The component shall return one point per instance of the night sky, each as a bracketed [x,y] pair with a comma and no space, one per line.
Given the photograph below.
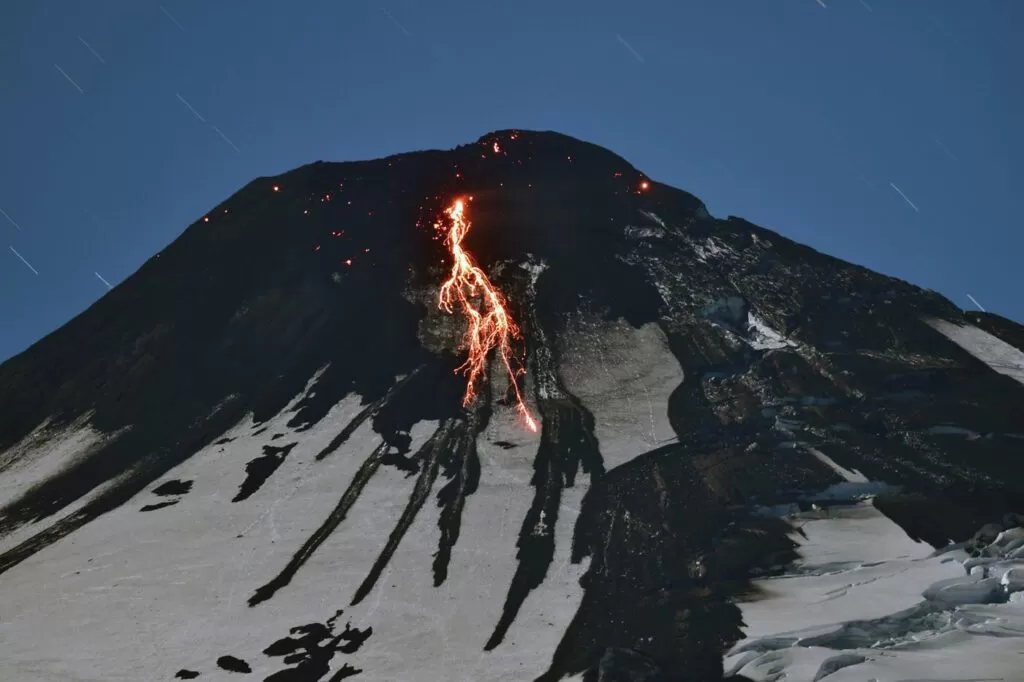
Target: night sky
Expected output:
[123,121]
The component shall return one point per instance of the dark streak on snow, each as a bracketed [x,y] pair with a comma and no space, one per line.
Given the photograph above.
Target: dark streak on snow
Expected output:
[370,410]
[173,487]
[335,518]
[158,505]
[441,444]
[433,391]
[461,466]
[260,469]
[567,444]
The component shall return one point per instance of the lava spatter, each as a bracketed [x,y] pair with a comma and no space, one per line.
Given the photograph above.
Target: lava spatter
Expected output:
[490,327]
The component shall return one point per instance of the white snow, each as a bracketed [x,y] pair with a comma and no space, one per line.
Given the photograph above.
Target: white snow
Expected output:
[867,603]
[30,462]
[653,216]
[848,475]
[135,596]
[43,453]
[733,313]
[994,352]
[535,268]
[634,232]
[624,376]
[709,248]
[763,337]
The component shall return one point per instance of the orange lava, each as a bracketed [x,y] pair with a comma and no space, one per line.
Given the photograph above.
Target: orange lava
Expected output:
[490,327]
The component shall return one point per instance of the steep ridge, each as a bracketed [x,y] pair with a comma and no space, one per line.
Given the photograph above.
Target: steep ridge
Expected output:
[295,326]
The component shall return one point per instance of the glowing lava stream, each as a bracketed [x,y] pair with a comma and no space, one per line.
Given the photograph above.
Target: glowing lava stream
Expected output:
[489,329]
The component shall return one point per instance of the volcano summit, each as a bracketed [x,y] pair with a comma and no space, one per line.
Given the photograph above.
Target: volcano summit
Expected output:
[296,445]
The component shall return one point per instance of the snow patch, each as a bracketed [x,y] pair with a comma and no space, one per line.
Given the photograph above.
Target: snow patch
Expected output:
[709,248]
[624,376]
[46,452]
[655,218]
[634,232]
[734,314]
[850,476]
[535,268]
[993,351]
[763,337]
[42,453]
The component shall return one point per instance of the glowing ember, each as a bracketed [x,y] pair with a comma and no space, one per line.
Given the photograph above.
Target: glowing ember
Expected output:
[490,327]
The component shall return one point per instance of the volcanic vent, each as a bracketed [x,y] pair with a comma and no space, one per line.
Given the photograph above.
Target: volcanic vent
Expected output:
[509,411]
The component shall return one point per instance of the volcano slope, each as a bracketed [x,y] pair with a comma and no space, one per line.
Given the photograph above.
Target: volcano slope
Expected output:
[255,457]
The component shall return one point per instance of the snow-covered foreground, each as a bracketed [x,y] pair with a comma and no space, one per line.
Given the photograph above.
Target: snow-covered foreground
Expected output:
[138,596]
[867,603]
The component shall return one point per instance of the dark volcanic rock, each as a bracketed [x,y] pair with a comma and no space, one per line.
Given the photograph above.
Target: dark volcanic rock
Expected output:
[158,505]
[233,664]
[258,470]
[625,665]
[310,649]
[792,360]
[173,488]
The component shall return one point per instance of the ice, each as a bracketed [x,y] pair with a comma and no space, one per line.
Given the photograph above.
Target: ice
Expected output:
[867,603]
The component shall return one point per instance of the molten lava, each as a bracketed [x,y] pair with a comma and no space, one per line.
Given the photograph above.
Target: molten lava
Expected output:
[490,327]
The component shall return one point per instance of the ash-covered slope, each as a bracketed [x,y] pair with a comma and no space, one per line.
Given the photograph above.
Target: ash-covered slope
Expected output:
[276,390]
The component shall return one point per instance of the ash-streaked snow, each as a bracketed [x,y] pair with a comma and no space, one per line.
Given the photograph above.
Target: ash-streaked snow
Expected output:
[133,595]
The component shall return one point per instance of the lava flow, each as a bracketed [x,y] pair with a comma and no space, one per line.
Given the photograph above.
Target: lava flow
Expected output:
[490,326]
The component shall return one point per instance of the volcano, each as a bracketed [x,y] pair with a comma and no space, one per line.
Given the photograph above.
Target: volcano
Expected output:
[284,450]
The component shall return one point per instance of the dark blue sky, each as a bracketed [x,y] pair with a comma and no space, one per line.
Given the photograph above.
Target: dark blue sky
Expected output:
[790,114]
